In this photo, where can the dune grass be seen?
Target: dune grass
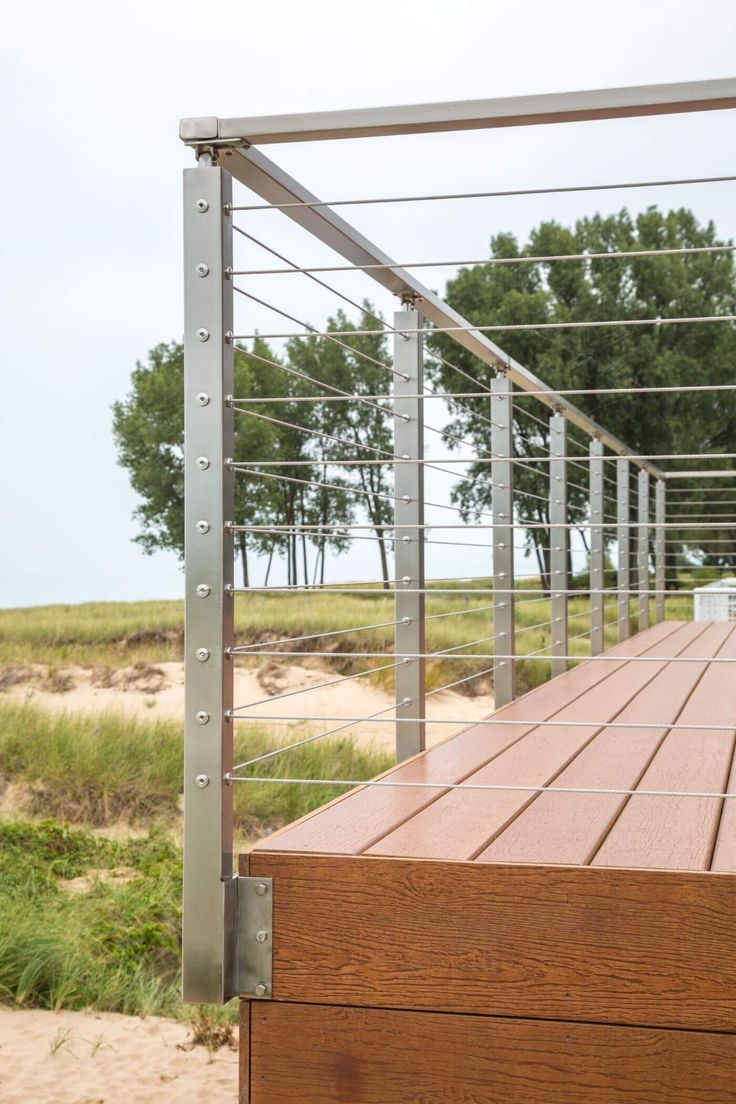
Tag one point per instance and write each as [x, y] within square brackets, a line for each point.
[114, 945]
[97, 770]
[114, 634]
[92, 921]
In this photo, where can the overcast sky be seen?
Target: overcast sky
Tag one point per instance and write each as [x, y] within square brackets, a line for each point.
[91, 250]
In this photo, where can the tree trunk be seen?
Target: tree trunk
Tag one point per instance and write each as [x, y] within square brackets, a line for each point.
[384, 557]
[268, 565]
[243, 558]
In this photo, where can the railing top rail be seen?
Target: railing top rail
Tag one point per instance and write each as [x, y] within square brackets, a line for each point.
[556, 107]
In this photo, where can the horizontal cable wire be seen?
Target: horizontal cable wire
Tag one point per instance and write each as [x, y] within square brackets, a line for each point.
[499, 328]
[561, 190]
[543, 259]
[481, 786]
[450, 395]
[243, 649]
[496, 721]
[495, 655]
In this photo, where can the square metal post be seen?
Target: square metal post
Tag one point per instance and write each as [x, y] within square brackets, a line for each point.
[660, 546]
[209, 887]
[597, 597]
[559, 539]
[642, 546]
[502, 479]
[409, 541]
[623, 538]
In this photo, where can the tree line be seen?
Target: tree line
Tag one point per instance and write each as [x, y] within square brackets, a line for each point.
[301, 422]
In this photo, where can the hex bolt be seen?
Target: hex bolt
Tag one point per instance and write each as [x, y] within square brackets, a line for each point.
[203, 398]
[203, 334]
[203, 591]
[261, 936]
[203, 717]
[202, 780]
[261, 889]
[202, 269]
[203, 654]
[203, 527]
[260, 990]
[203, 463]
[202, 205]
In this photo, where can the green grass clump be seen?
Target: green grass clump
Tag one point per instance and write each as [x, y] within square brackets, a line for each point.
[101, 769]
[114, 946]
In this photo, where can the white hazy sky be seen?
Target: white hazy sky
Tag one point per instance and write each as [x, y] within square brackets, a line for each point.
[90, 269]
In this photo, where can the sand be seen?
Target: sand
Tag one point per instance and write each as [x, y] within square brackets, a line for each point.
[158, 691]
[104, 1058]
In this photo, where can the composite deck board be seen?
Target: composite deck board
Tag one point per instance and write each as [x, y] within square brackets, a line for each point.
[679, 833]
[460, 823]
[576, 943]
[724, 856]
[316, 1054]
[352, 823]
[569, 828]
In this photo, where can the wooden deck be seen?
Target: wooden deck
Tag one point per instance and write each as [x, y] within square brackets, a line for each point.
[514, 946]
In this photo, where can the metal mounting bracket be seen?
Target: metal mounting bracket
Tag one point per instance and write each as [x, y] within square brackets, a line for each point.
[254, 965]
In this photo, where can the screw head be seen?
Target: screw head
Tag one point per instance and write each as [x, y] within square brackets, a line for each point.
[261, 889]
[202, 780]
[261, 936]
[203, 654]
[203, 717]
[203, 398]
[203, 590]
[202, 205]
[203, 527]
[203, 334]
[202, 269]
[261, 990]
[203, 463]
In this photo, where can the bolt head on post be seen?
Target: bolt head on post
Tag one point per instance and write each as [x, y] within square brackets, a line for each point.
[203, 591]
[203, 527]
[202, 269]
[203, 654]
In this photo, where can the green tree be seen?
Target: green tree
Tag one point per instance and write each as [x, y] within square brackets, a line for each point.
[360, 429]
[638, 356]
[148, 428]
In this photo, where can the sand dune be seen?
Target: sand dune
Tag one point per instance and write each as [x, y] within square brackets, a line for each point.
[158, 691]
[104, 1058]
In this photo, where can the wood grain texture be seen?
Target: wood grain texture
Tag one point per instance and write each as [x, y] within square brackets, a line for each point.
[679, 833]
[460, 823]
[580, 943]
[312, 1054]
[352, 823]
[569, 828]
[244, 1019]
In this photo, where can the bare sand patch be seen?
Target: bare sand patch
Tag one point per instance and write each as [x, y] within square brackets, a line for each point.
[105, 1058]
[157, 691]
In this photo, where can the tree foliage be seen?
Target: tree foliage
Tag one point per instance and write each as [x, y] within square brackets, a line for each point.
[684, 285]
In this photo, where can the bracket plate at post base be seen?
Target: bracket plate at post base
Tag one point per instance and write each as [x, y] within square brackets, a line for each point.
[254, 966]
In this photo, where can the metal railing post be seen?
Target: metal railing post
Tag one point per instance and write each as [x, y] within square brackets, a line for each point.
[209, 887]
[623, 538]
[660, 545]
[559, 540]
[502, 449]
[409, 542]
[642, 546]
[597, 597]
